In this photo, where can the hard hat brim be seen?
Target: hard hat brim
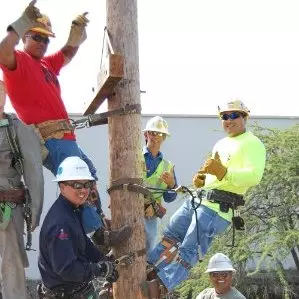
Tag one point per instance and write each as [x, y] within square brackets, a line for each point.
[220, 270]
[43, 31]
[88, 178]
[236, 110]
[154, 130]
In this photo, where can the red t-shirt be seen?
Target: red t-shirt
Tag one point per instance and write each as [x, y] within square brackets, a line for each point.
[34, 90]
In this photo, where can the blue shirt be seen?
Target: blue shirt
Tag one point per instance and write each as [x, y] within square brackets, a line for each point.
[152, 163]
[67, 256]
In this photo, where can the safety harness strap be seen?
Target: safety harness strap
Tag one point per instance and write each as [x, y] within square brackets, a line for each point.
[15, 195]
[18, 164]
[183, 263]
[102, 118]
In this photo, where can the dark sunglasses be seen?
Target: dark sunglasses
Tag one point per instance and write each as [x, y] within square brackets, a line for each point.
[222, 274]
[78, 185]
[38, 38]
[154, 133]
[233, 115]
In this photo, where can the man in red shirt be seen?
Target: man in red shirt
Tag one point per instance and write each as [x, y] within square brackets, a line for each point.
[32, 85]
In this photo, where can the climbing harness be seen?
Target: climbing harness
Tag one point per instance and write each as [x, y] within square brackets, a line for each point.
[18, 164]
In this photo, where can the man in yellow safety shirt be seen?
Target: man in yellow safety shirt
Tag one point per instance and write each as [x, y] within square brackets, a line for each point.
[237, 163]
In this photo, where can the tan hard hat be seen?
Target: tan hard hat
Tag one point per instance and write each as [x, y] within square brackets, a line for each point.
[45, 26]
[235, 105]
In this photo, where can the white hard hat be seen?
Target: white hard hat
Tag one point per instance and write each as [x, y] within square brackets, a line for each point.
[220, 262]
[157, 124]
[71, 169]
[234, 105]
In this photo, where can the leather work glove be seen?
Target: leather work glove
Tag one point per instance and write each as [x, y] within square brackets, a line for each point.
[199, 179]
[168, 178]
[149, 212]
[215, 167]
[78, 33]
[27, 21]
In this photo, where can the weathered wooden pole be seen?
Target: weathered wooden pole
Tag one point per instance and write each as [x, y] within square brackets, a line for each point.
[125, 146]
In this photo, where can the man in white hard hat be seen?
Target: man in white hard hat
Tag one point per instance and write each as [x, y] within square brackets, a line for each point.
[158, 173]
[68, 260]
[221, 271]
[237, 163]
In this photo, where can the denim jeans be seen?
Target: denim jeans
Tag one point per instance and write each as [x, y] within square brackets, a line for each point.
[183, 228]
[59, 149]
[151, 232]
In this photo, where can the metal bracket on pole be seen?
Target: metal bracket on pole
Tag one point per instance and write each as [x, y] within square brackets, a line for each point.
[112, 71]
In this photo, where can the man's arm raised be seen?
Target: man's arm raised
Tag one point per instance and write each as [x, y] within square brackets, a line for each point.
[15, 32]
[7, 47]
[76, 38]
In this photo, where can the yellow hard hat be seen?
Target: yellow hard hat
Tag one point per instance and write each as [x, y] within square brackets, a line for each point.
[45, 26]
[157, 124]
[235, 105]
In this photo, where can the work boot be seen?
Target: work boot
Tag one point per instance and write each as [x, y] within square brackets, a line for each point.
[113, 237]
[153, 289]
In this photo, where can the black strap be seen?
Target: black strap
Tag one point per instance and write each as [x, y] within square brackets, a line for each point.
[133, 185]
[102, 118]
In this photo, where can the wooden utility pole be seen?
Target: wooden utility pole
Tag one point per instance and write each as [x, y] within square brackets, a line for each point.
[125, 146]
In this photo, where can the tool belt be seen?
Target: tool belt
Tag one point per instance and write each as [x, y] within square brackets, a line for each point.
[54, 128]
[81, 291]
[225, 199]
[171, 249]
[14, 195]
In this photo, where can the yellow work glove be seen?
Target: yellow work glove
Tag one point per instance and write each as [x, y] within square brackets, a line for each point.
[215, 167]
[27, 21]
[78, 32]
[168, 178]
[199, 180]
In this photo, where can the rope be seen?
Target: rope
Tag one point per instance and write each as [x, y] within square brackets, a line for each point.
[103, 43]
[194, 207]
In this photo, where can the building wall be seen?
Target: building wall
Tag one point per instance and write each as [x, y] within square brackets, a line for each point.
[192, 138]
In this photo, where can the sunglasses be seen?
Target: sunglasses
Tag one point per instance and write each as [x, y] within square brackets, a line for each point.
[78, 185]
[233, 115]
[38, 38]
[220, 274]
[154, 133]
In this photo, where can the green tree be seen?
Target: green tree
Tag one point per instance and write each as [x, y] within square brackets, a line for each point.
[271, 215]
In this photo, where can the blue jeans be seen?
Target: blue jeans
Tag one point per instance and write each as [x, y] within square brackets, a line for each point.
[151, 232]
[182, 227]
[59, 149]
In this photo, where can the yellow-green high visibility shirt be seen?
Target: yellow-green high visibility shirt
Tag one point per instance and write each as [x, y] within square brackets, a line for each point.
[245, 158]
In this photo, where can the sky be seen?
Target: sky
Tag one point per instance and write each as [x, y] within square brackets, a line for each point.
[193, 54]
